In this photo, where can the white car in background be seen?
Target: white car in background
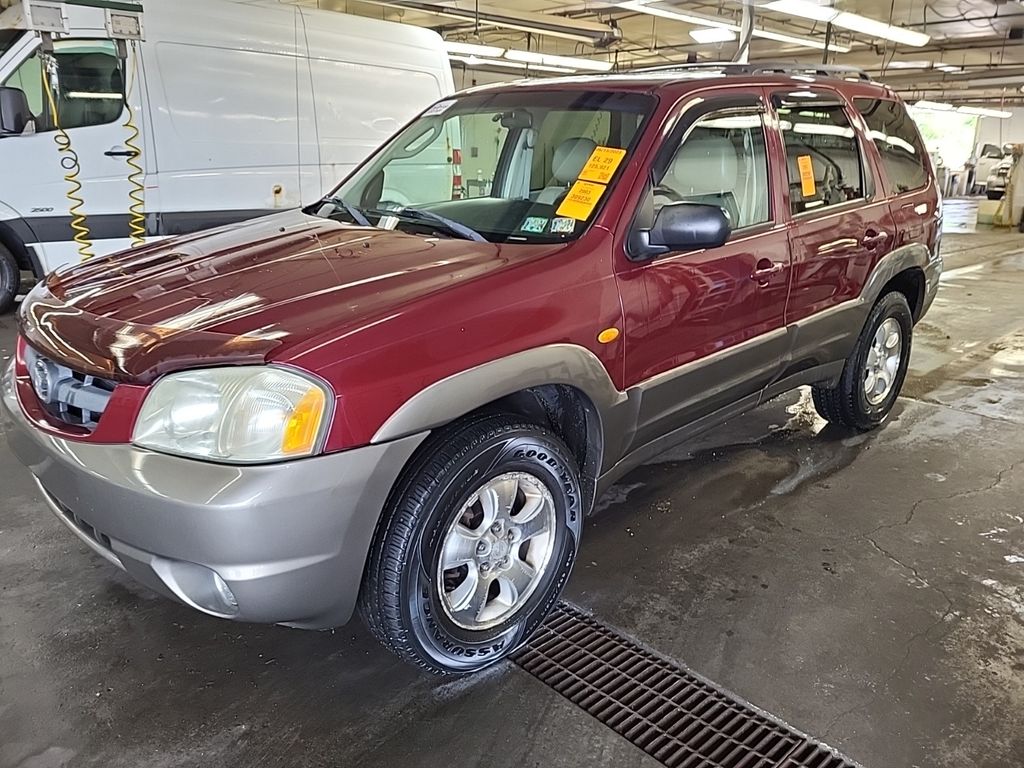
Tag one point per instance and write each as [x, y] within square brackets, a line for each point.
[995, 185]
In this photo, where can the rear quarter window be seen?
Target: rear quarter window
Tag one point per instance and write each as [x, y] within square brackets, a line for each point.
[904, 158]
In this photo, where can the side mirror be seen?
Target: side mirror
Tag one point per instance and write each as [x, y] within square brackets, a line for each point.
[15, 114]
[683, 227]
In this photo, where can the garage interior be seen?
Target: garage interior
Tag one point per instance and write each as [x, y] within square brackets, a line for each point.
[864, 590]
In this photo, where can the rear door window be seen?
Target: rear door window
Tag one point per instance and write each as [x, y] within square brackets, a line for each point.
[823, 157]
[904, 158]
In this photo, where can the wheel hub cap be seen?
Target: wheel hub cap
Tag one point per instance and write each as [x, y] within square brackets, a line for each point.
[883, 361]
[496, 551]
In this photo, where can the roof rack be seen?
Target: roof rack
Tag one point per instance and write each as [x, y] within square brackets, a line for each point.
[767, 68]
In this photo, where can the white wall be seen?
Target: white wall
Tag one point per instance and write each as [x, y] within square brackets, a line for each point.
[994, 131]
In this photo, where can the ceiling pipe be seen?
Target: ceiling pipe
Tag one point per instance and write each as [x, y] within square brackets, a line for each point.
[594, 33]
[742, 55]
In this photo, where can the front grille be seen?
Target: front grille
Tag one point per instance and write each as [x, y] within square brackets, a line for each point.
[676, 717]
[73, 397]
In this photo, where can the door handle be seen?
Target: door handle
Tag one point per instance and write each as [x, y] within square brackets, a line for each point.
[873, 239]
[765, 269]
[121, 152]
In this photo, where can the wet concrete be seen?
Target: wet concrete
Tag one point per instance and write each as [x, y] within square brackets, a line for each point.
[867, 589]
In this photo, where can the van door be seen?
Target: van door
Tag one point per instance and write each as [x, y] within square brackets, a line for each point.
[88, 103]
[224, 113]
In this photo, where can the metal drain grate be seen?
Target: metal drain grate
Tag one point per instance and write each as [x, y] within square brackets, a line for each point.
[677, 717]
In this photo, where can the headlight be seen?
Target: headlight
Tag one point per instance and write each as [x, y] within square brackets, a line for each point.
[243, 415]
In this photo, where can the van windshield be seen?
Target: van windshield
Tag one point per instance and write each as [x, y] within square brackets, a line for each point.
[506, 167]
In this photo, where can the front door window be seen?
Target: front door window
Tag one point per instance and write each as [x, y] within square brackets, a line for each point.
[723, 162]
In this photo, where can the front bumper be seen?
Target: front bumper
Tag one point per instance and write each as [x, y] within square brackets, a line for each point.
[289, 541]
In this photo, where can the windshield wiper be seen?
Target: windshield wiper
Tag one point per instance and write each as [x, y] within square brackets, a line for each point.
[420, 215]
[354, 213]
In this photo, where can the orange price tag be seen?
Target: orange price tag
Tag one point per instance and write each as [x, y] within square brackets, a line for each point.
[807, 185]
[603, 163]
[581, 200]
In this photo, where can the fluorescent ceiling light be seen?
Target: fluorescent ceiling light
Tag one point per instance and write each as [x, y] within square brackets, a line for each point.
[808, 42]
[873, 28]
[476, 61]
[933, 106]
[805, 9]
[546, 59]
[643, 6]
[910, 65]
[712, 35]
[94, 95]
[472, 49]
[984, 112]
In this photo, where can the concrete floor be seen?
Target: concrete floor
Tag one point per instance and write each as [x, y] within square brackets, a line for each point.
[868, 589]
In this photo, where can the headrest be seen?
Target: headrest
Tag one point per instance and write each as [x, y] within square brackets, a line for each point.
[705, 165]
[570, 157]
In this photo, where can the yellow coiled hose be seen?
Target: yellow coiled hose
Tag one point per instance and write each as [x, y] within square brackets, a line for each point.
[137, 193]
[69, 162]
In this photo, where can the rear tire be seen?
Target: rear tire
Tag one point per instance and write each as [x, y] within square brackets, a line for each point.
[875, 371]
[10, 279]
[475, 545]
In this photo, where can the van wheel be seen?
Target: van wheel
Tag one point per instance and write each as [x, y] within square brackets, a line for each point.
[475, 545]
[10, 279]
[875, 371]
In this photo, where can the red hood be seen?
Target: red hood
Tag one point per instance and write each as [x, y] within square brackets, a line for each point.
[239, 293]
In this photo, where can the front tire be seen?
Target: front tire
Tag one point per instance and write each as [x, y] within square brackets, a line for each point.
[475, 545]
[875, 371]
[10, 279]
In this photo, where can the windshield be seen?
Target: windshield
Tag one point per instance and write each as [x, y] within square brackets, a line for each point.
[7, 39]
[513, 166]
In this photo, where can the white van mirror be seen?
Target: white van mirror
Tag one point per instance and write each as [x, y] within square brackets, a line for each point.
[15, 114]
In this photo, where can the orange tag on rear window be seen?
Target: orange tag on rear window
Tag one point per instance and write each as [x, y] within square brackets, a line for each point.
[806, 166]
[581, 200]
[603, 163]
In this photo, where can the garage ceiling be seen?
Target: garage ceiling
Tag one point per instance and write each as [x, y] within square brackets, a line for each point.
[972, 56]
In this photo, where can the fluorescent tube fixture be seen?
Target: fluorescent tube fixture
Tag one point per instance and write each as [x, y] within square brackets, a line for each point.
[910, 65]
[712, 35]
[873, 28]
[644, 6]
[807, 42]
[805, 9]
[933, 106]
[546, 59]
[984, 112]
[472, 49]
[476, 61]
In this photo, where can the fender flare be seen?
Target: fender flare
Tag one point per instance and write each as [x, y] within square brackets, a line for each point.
[569, 364]
[913, 255]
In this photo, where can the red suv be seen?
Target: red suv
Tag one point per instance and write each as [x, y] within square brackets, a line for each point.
[407, 397]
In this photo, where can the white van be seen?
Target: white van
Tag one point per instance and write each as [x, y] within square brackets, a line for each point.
[244, 108]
